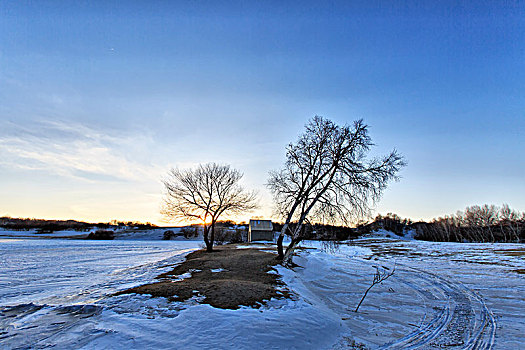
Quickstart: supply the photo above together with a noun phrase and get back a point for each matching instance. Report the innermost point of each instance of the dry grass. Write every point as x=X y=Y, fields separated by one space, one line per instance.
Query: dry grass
x=516 y=252
x=244 y=281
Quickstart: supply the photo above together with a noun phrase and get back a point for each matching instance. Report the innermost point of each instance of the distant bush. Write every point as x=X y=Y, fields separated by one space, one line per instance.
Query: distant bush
x=324 y=232
x=190 y=232
x=44 y=230
x=102 y=235
x=48 y=228
x=132 y=224
x=220 y=236
x=223 y=235
x=225 y=223
x=238 y=236
x=364 y=229
x=169 y=234
x=143 y=226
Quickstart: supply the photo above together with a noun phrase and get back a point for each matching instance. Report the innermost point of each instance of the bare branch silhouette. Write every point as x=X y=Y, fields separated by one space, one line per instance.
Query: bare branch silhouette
x=327 y=175
x=379 y=277
x=204 y=194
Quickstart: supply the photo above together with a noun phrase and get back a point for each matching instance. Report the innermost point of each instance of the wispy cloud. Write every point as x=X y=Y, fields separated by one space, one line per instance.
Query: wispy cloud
x=74 y=150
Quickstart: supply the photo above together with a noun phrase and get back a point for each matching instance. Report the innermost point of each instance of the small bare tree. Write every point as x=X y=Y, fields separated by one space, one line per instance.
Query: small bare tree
x=328 y=176
x=204 y=195
x=379 y=277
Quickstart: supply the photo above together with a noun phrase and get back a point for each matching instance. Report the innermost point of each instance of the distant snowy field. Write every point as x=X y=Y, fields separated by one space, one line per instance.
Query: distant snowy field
x=57 y=293
x=151 y=234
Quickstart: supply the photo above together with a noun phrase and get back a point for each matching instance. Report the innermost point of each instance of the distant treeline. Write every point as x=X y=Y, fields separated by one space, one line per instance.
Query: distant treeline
x=61 y=225
x=323 y=232
x=485 y=223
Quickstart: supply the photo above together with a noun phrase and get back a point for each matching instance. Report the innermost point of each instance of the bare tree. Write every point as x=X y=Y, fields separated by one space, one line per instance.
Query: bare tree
x=328 y=176
x=204 y=194
x=379 y=277
x=509 y=222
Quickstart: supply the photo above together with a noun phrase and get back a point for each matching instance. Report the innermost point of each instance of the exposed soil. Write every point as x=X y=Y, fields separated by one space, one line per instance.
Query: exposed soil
x=243 y=280
x=517 y=252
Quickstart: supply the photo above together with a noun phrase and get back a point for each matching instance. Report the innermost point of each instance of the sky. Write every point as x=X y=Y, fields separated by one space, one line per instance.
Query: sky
x=99 y=99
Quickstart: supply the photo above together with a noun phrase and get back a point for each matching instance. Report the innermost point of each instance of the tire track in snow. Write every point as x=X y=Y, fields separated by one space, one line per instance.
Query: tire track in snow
x=464 y=322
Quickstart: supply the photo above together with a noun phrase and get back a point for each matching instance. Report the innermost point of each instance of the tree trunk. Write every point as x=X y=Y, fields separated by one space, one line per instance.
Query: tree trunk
x=287 y=259
x=280 y=251
x=209 y=246
x=283 y=233
x=296 y=236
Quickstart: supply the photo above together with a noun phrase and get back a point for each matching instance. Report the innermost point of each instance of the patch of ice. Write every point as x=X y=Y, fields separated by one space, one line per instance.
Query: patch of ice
x=181 y=277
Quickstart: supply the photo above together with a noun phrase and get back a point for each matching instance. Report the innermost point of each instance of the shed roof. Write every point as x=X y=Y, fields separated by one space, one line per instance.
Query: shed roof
x=261 y=225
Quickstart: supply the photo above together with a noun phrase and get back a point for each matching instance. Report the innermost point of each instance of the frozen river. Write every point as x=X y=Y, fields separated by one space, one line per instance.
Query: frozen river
x=65 y=272
x=58 y=293
x=52 y=292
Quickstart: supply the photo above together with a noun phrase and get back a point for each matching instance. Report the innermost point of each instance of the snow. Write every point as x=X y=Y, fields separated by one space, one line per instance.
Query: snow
x=77 y=271
x=251 y=246
x=382 y=233
x=120 y=234
x=33 y=234
x=203 y=327
x=440 y=294
x=60 y=293
x=41 y=277
x=151 y=234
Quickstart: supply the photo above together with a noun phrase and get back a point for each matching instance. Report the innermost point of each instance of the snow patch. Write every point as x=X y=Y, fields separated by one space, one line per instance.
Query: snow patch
x=59 y=293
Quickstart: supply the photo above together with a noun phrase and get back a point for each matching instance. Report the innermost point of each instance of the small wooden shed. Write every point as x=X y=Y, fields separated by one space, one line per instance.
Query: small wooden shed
x=260 y=230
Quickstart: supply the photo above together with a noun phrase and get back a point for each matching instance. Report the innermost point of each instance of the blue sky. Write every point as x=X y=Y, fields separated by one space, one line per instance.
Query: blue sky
x=99 y=99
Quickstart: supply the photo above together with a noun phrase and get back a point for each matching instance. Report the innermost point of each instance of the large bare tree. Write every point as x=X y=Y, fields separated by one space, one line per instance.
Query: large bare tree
x=329 y=176
x=204 y=194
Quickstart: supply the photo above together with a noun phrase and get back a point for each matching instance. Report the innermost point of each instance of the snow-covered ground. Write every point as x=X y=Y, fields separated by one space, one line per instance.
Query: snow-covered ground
x=5 y=233
x=58 y=293
x=127 y=234
x=80 y=271
x=408 y=235
x=464 y=296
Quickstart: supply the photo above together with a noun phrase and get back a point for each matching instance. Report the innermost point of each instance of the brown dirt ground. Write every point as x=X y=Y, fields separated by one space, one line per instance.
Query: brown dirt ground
x=244 y=281
x=517 y=252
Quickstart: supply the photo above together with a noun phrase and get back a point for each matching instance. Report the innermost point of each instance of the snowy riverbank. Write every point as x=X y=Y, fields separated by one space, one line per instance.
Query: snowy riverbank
x=57 y=293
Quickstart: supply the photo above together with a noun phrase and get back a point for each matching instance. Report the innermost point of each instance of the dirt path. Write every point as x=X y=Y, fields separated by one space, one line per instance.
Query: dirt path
x=227 y=278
